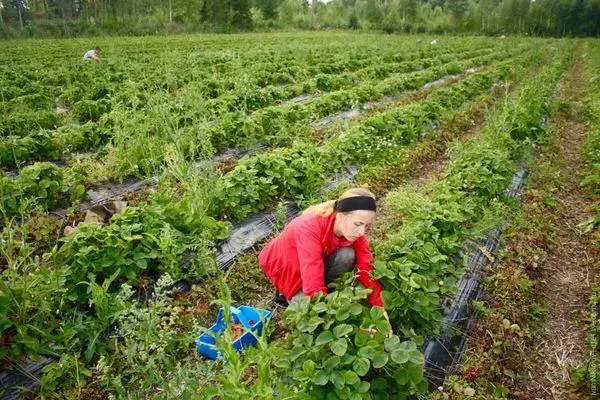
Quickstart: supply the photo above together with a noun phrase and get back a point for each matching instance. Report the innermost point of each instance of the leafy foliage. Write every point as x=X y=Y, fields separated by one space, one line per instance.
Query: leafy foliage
x=331 y=355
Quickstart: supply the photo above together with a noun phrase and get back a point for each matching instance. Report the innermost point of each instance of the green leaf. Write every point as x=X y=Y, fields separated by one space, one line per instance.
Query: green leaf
x=361 y=339
x=356 y=309
x=363 y=387
x=78 y=191
x=382 y=326
x=342 y=330
x=361 y=366
x=342 y=314
x=304 y=340
x=416 y=357
x=408 y=345
x=313 y=323
x=309 y=367
x=367 y=352
x=380 y=359
x=320 y=307
x=321 y=378
x=391 y=343
x=339 y=347
x=348 y=359
x=410 y=373
x=376 y=312
x=337 y=379
x=141 y=263
x=400 y=356
x=323 y=338
x=331 y=363
x=283 y=363
x=351 y=377
x=413 y=284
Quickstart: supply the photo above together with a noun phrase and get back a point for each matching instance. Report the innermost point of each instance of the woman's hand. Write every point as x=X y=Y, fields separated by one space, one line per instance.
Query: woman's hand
x=369 y=331
x=372 y=331
x=387 y=318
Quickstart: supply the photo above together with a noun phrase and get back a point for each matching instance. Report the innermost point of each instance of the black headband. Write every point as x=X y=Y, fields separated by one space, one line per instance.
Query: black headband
x=355 y=203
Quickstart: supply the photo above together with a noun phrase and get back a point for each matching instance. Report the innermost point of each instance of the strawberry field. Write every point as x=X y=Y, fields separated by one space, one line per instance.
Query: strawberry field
x=125 y=181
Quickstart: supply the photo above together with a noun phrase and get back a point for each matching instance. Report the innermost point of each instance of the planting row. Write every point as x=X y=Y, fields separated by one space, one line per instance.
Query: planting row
x=14 y=199
x=285 y=123
x=25 y=141
x=294 y=172
x=277 y=125
x=29 y=90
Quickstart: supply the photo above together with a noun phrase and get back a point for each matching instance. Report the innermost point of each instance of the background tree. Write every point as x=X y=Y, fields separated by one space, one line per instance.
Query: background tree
x=72 y=17
x=294 y=13
x=370 y=12
x=216 y=13
x=240 y=14
x=268 y=8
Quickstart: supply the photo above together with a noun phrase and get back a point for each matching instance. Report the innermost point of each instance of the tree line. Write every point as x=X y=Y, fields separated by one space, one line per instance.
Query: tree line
x=493 y=17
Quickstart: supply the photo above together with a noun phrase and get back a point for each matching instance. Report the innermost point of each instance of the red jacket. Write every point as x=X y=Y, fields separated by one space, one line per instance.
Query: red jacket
x=294 y=260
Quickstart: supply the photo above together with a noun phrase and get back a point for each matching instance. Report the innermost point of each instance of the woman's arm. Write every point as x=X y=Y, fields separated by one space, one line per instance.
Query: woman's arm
x=364 y=258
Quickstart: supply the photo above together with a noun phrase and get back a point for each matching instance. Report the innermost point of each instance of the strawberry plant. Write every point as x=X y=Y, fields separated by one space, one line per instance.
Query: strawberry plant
x=341 y=349
x=42 y=184
x=25 y=123
x=257 y=180
x=137 y=240
x=90 y=110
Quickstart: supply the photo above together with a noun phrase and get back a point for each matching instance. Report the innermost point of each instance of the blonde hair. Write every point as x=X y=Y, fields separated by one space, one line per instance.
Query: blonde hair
x=326 y=208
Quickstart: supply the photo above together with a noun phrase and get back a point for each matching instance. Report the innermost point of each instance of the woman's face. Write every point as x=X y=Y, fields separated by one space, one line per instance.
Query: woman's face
x=354 y=224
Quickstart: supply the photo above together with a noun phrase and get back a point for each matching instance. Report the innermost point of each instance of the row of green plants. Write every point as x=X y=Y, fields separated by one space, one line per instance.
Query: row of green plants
x=89 y=94
x=29 y=88
x=249 y=100
x=419 y=258
x=43 y=186
x=63 y=300
x=279 y=124
x=76 y=139
x=513 y=314
x=53 y=145
x=296 y=171
x=172 y=120
x=140 y=138
x=46 y=144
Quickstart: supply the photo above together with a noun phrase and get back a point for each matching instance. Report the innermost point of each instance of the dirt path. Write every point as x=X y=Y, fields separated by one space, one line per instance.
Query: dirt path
x=565 y=276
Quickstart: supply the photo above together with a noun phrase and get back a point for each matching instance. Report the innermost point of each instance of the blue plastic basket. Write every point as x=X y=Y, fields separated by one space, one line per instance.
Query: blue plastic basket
x=253 y=320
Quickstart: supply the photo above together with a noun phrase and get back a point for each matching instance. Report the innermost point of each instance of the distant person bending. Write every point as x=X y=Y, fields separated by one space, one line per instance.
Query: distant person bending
x=93 y=54
x=326 y=240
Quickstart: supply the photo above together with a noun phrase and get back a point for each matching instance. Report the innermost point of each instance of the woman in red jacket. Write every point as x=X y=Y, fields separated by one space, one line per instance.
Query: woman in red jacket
x=326 y=240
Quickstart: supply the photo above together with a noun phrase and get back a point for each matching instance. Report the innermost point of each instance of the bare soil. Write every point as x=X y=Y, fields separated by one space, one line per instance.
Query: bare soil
x=564 y=277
